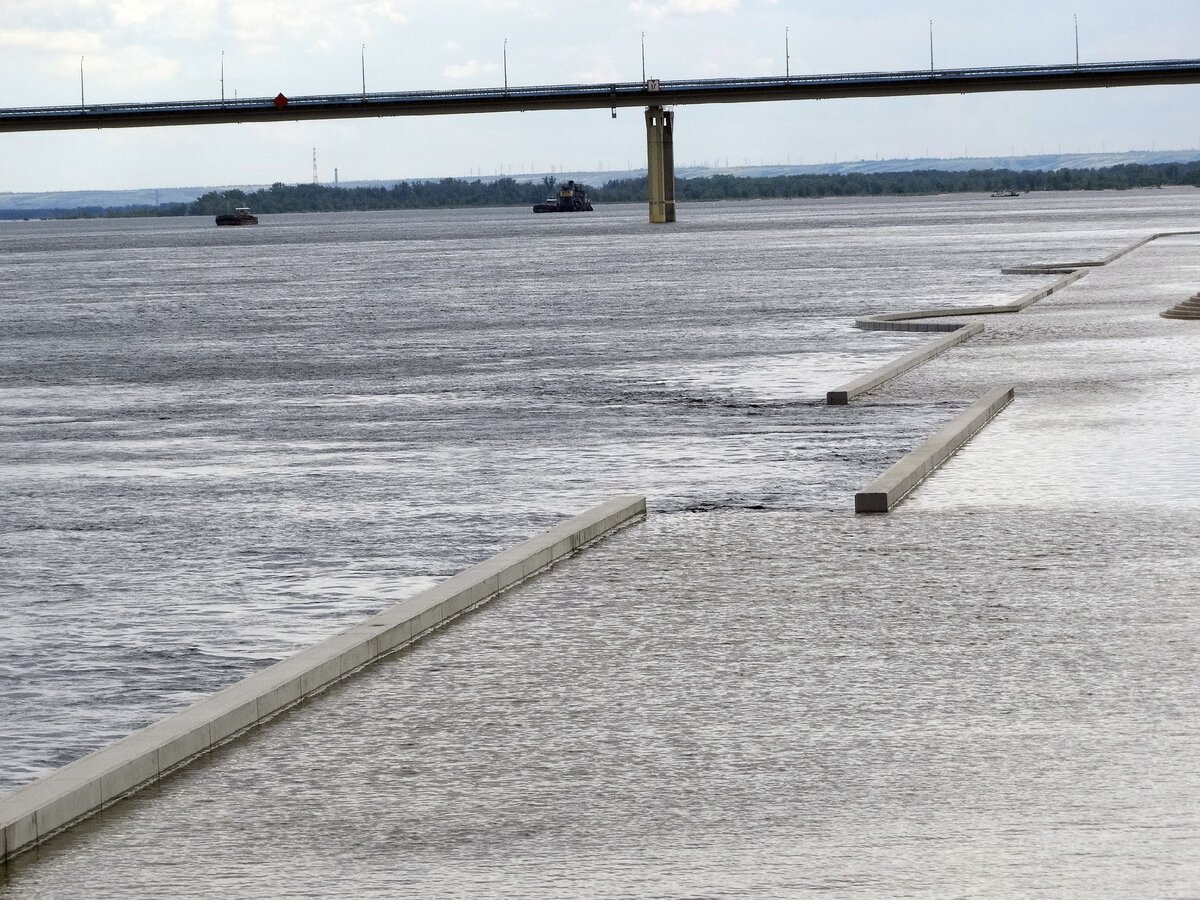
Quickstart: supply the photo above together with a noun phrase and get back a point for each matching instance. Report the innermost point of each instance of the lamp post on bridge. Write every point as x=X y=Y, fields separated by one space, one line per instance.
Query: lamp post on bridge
x=81 y=103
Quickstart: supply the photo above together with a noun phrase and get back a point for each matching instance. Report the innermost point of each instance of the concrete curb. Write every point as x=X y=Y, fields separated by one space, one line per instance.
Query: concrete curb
x=904 y=321
x=37 y=811
x=1042 y=293
x=847 y=392
x=958 y=332
x=891 y=487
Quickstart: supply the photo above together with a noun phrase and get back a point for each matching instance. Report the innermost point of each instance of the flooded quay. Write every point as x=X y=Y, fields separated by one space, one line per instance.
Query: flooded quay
x=218 y=452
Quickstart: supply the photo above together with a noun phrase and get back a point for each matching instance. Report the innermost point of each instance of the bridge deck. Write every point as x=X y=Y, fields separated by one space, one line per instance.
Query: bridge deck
x=603 y=96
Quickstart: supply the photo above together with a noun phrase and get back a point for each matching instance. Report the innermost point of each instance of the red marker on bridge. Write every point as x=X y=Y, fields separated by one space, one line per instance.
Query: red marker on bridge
x=281 y=101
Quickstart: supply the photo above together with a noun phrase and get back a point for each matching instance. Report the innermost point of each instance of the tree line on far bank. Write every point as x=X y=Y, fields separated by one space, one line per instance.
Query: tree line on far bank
x=729 y=187
x=455 y=192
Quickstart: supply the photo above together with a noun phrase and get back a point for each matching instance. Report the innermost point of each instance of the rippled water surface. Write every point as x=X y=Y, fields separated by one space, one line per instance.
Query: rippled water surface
x=219 y=446
x=731 y=704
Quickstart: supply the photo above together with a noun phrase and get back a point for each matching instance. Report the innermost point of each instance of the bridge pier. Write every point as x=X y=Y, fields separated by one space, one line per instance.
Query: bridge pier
x=660 y=164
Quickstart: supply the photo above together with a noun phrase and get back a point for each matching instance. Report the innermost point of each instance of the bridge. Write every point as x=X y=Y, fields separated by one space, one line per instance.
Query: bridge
x=654 y=95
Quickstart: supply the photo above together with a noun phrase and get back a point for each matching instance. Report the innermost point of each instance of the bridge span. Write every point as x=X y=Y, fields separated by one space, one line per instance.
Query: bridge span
x=654 y=95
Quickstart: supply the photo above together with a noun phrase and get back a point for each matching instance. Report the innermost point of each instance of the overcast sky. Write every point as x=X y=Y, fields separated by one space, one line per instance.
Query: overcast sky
x=172 y=49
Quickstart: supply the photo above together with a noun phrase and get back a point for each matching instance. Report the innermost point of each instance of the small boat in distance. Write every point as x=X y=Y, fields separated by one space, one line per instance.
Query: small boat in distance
x=571 y=198
x=240 y=216
x=1007 y=194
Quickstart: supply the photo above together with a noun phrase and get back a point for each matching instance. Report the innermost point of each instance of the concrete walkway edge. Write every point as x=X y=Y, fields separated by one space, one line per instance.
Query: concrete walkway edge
x=37 y=811
x=906 y=321
x=847 y=392
x=890 y=488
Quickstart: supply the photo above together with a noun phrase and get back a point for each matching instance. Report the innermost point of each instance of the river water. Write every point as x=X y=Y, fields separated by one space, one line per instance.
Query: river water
x=222 y=445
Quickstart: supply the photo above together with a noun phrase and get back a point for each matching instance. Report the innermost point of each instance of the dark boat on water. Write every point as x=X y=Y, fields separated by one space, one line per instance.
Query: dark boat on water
x=571 y=198
x=240 y=216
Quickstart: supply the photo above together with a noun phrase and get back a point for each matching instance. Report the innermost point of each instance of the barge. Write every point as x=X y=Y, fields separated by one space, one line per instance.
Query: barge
x=240 y=216
x=571 y=198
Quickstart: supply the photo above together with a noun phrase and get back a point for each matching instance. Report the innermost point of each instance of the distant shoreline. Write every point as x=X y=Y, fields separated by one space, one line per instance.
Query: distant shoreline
x=455 y=193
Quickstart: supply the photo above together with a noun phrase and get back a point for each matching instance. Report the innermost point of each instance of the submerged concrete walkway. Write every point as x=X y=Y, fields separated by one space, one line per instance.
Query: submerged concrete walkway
x=990 y=692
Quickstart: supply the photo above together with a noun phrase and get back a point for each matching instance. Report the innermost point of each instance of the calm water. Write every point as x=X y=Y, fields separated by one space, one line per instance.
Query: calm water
x=220 y=446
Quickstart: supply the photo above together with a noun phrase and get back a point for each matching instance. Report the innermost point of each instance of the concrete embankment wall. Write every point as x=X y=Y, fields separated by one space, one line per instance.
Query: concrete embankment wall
x=847 y=392
x=960 y=331
x=86 y=786
x=889 y=488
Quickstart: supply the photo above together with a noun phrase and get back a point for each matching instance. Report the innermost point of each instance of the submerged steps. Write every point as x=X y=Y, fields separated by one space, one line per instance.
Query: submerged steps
x=1188 y=309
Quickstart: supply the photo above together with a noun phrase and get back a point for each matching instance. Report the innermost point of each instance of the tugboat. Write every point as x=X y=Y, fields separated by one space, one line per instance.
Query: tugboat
x=571 y=198
x=240 y=216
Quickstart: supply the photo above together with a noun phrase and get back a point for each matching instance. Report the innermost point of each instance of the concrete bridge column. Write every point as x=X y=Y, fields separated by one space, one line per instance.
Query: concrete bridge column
x=660 y=164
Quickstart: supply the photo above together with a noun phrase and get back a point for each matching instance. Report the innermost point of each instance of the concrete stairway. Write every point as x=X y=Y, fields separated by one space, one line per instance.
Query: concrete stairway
x=1188 y=309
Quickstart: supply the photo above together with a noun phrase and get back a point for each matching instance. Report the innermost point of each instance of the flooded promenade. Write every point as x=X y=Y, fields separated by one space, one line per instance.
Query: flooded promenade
x=989 y=692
